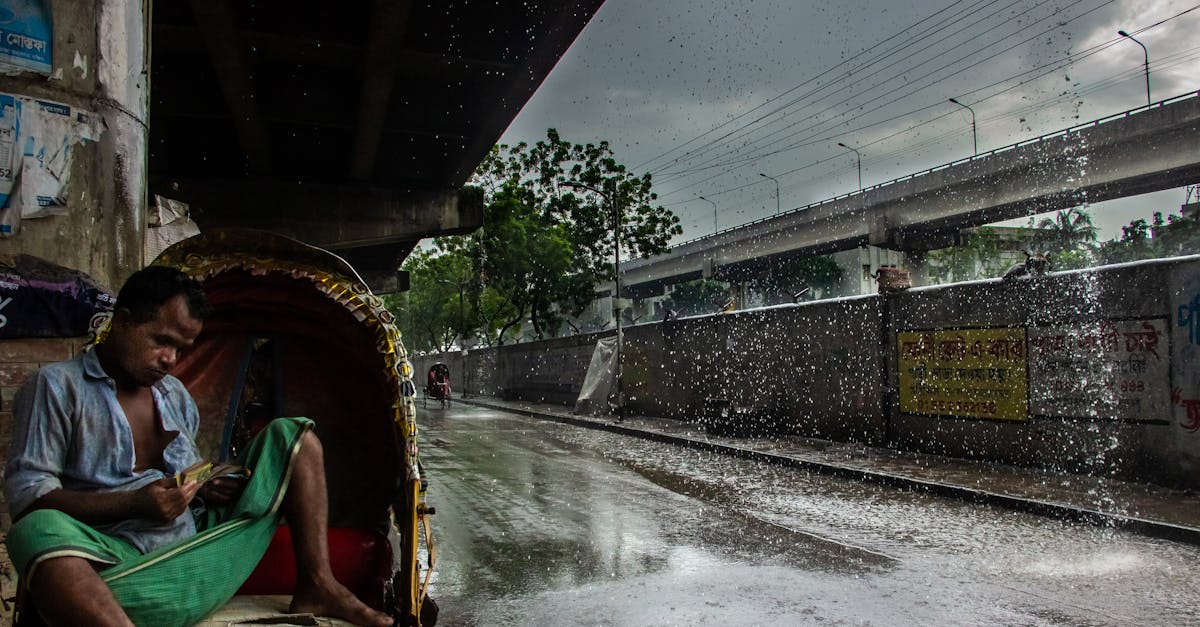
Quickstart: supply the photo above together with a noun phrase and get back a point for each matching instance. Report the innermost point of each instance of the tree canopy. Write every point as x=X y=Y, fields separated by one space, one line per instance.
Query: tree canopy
x=1071 y=239
x=438 y=308
x=980 y=255
x=699 y=296
x=794 y=276
x=546 y=242
x=1070 y=230
x=1160 y=237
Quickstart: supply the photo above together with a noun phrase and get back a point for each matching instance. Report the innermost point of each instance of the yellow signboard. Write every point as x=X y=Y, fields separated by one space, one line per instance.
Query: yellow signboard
x=976 y=373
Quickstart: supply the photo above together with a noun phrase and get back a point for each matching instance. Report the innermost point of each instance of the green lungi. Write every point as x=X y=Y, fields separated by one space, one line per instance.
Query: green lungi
x=181 y=583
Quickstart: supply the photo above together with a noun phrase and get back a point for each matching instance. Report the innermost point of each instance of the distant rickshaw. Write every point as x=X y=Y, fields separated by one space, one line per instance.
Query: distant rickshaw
x=437 y=384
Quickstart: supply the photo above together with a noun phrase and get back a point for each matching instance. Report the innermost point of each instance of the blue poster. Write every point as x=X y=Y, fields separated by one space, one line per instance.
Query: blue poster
x=25 y=33
x=10 y=158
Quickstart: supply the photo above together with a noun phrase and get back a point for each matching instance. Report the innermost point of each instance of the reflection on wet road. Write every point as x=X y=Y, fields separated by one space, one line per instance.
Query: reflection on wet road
x=545 y=524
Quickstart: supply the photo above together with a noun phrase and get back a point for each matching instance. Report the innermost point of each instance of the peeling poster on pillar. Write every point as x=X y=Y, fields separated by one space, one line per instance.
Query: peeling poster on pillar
x=1108 y=369
x=970 y=373
x=37 y=145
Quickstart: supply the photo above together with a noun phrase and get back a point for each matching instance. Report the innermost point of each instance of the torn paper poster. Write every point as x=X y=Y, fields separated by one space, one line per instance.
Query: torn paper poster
x=25 y=34
x=168 y=222
x=37 y=138
x=167 y=210
x=10 y=156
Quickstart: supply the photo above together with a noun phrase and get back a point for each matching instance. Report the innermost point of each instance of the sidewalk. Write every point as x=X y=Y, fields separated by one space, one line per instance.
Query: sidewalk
x=1141 y=508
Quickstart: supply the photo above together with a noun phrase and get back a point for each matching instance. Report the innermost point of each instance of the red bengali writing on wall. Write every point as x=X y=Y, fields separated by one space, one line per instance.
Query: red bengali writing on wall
x=1108 y=370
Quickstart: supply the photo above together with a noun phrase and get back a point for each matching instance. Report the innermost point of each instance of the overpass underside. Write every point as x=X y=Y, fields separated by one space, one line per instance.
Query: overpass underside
x=352 y=129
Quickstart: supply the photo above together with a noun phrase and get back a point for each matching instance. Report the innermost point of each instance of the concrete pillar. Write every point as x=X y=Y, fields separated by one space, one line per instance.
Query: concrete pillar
x=918 y=266
x=99 y=64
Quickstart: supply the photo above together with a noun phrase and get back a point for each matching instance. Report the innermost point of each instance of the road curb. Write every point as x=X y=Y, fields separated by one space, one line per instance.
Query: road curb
x=1062 y=511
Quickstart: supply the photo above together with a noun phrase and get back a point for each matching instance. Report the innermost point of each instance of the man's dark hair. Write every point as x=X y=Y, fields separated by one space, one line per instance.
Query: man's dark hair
x=152 y=286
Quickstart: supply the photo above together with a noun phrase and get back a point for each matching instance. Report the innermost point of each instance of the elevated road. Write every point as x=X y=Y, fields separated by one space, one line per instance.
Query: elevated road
x=353 y=128
x=1143 y=150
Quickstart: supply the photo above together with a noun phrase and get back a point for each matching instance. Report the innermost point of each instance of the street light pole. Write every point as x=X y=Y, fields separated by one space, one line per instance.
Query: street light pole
x=714 y=212
x=617 y=309
x=611 y=197
x=462 y=337
x=1146 y=64
x=776 y=190
x=974 y=135
x=859 y=156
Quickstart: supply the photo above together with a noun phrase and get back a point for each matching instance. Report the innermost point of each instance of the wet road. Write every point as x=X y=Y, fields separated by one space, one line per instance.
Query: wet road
x=540 y=523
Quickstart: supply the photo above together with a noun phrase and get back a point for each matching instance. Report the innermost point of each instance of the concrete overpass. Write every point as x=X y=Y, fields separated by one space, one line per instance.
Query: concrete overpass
x=1143 y=150
x=351 y=126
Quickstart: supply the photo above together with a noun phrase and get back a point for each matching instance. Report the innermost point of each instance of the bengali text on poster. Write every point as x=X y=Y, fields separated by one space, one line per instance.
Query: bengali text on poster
x=1107 y=370
x=975 y=373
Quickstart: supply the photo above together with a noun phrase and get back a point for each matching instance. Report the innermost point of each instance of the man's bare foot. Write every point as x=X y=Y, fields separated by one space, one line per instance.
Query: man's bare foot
x=336 y=601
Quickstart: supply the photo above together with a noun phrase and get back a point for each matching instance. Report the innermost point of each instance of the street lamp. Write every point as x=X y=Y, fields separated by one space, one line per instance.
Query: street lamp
x=859 y=155
x=776 y=190
x=1147 y=60
x=974 y=135
x=611 y=197
x=714 y=213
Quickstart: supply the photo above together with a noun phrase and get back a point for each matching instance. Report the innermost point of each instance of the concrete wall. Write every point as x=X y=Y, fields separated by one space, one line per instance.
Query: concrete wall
x=830 y=369
x=99 y=64
x=1136 y=291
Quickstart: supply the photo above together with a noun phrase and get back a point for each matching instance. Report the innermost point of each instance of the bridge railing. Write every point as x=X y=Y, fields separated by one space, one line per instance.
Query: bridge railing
x=1025 y=142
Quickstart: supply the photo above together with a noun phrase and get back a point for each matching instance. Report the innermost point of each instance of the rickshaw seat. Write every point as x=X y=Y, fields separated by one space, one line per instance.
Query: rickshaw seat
x=361 y=561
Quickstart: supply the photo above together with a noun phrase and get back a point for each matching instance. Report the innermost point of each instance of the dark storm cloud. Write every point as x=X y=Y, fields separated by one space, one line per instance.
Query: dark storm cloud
x=650 y=76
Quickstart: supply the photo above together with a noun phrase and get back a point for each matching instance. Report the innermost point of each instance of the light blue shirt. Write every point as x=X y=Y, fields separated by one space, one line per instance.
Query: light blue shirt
x=70 y=432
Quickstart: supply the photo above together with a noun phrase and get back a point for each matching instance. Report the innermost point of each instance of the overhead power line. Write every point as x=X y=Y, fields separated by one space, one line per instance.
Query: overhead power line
x=1185 y=57
x=917 y=87
x=922 y=41
x=804 y=83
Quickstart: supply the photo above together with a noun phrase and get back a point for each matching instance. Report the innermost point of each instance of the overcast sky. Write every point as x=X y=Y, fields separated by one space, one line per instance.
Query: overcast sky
x=707 y=94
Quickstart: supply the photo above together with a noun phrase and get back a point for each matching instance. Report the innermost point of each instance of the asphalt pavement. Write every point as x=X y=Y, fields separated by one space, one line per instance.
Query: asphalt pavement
x=1139 y=507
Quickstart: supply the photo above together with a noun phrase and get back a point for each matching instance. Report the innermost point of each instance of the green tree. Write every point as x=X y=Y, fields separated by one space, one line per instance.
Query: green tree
x=700 y=296
x=1074 y=259
x=1161 y=236
x=526 y=260
x=1134 y=243
x=1181 y=235
x=548 y=222
x=980 y=256
x=428 y=314
x=820 y=273
x=1070 y=229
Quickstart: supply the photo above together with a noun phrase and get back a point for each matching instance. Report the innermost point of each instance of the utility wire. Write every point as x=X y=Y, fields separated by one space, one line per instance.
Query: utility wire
x=929 y=43
x=1167 y=62
x=745 y=160
x=793 y=89
x=1054 y=66
x=918 y=87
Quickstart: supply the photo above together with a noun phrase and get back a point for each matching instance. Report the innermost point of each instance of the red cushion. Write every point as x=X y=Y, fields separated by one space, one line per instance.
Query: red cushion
x=361 y=561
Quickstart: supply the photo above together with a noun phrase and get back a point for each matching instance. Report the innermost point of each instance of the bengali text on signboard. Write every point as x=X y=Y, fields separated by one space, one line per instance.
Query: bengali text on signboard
x=1108 y=369
x=976 y=373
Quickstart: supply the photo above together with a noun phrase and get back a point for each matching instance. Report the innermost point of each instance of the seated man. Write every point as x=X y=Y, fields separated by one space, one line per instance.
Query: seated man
x=103 y=533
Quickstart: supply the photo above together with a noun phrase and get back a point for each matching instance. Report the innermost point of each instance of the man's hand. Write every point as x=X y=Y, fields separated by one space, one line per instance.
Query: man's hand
x=163 y=500
x=223 y=490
